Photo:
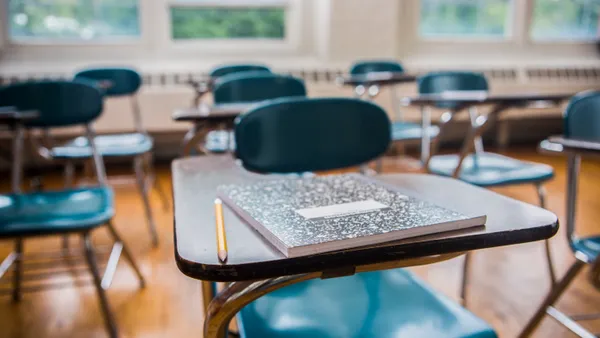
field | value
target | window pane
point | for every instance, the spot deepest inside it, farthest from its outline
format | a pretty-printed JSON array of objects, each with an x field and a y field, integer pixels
[
  {"x": 73, "y": 19},
  {"x": 227, "y": 23},
  {"x": 464, "y": 17},
  {"x": 565, "y": 20}
]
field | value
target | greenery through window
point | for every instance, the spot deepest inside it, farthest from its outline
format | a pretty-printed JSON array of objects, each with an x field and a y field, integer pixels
[
  {"x": 473, "y": 18},
  {"x": 73, "y": 19},
  {"x": 227, "y": 23},
  {"x": 566, "y": 20}
]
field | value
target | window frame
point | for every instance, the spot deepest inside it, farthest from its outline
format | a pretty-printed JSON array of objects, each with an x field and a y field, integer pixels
[
  {"x": 554, "y": 41},
  {"x": 507, "y": 37},
  {"x": 61, "y": 42},
  {"x": 290, "y": 42}
]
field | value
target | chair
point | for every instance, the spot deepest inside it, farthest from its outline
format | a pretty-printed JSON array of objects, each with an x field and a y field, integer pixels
[
  {"x": 480, "y": 168},
  {"x": 117, "y": 82},
  {"x": 249, "y": 86},
  {"x": 296, "y": 135},
  {"x": 581, "y": 122},
  {"x": 69, "y": 211},
  {"x": 402, "y": 131}
]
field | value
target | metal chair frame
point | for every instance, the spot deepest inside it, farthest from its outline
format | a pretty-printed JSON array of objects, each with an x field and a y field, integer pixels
[
  {"x": 143, "y": 169},
  {"x": 474, "y": 143},
  {"x": 581, "y": 260},
  {"x": 16, "y": 259}
]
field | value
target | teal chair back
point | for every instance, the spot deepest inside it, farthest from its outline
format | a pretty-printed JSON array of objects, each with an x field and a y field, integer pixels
[
  {"x": 293, "y": 135},
  {"x": 369, "y": 66},
  {"x": 59, "y": 103},
  {"x": 582, "y": 117},
  {"x": 123, "y": 81},
  {"x": 256, "y": 86},
  {"x": 237, "y": 68},
  {"x": 438, "y": 82}
]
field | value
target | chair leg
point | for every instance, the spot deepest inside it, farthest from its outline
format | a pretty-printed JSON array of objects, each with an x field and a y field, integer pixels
[
  {"x": 465, "y": 279},
  {"x": 555, "y": 292},
  {"x": 138, "y": 167},
  {"x": 18, "y": 270},
  {"x": 379, "y": 165},
  {"x": 541, "y": 191},
  {"x": 149, "y": 159},
  {"x": 127, "y": 254},
  {"x": 90, "y": 257}
]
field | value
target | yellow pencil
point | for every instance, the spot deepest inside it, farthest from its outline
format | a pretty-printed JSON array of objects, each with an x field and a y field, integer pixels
[{"x": 221, "y": 238}]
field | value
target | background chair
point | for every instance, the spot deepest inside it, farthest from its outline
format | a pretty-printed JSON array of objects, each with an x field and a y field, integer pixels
[
  {"x": 249, "y": 86},
  {"x": 402, "y": 131},
  {"x": 117, "y": 82},
  {"x": 70, "y": 211},
  {"x": 295, "y": 135},
  {"x": 480, "y": 168},
  {"x": 581, "y": 122}
]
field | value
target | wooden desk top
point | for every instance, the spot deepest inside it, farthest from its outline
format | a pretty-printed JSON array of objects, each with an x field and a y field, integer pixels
[
  {"x": 250, "y": 257},
  {"x": 10, "y": 115},
  {"x": 212, "y": 112},
  {"x": 576, "y": 146},
  {"x": 376, "y": 78},
  {"x": 481, "y": 97}
]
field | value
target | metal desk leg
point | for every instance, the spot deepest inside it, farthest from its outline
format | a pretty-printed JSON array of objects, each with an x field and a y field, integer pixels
[
  {"x": 478, "y": 141},
  {"x": 425, "y": 139},
  {"x": 191, "y": 139}
]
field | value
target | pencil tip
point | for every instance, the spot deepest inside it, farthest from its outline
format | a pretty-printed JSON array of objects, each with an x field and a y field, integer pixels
[{"x": 222, "y": 256}]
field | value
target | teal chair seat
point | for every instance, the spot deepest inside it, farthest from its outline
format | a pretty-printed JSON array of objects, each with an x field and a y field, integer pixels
[
  {"x": 489, "y": 169},
  {"x": 407, "y": 131},
  {"x": 391, "y": 303},
  {"x": 108, "y": 145},
  {"x": 44, "y": 213}
]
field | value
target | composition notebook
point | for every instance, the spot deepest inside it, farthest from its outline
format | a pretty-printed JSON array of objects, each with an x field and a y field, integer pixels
[{"x": 329, "y": 213}]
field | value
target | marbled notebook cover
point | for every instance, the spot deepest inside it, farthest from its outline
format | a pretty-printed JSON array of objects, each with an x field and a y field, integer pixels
[{"x": 328, "y": 213}]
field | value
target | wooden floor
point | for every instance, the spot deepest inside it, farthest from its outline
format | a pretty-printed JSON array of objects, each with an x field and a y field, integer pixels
[{"x": 508, "y": 283}]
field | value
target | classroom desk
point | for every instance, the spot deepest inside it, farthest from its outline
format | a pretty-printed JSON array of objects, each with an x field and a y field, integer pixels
[
  {"x": 205, "y": 118},
  {"x": 468, "y": 99},
  {"x": 256, "y": 268},
  {"x": 380, "y": 79}
]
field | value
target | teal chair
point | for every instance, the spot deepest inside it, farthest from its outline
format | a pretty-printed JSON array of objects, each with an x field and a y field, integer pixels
[
  {"x": 227, "y": 69},
  {"x": 581, "y": 122},
  {"x": 480, "y": 168},
  {"x": 249, "y": 86},
  {"x": 296, "y": 135},
  {"x": 69, "y": 211},
  {"x": 118, "y": 82},
  {"x": 402, "y": 131}
]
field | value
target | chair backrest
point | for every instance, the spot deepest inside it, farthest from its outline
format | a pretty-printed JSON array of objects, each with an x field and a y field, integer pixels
[
  {"x": 293, "y": 135},
  {"x": 122, "y": 81},
  {"x": 236, "y": 68},
  {"x": 256, "y": 86},
  {"x": 438, "y": 82},
  {"x": 582, "y": 117},
  {"x": 369, "y": 66},
  {"x": 59, "y": 103}
]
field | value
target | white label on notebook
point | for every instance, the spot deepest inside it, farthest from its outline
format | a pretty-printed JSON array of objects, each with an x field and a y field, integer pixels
[{"x": 344, "y": 209}]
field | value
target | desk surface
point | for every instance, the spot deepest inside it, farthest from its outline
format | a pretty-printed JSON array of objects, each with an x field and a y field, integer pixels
[
  {"x": 210, "y": 112},
  {"x": 577, "y": 146},
  {"x": 250, "y": 257},
  {"x": 473, "y": 97},
  {"x": 376, "y": 78},
  {"x": 9, "y": 115}
]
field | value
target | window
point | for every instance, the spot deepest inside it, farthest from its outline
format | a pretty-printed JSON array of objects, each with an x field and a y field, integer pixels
[
  {"x": 73, "y": 19},
  {"x": 228, "y": 19},
  {"x": 565, "y": 20},
  {"x": 464, "y": 18},
  {"x": 227, "y": 23}
]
